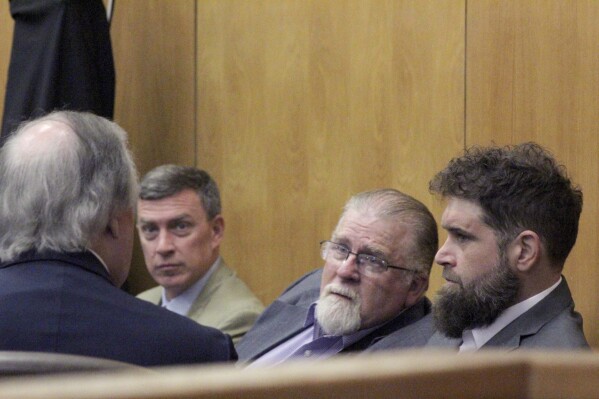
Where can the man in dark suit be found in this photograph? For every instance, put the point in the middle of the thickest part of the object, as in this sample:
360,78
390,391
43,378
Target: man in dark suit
376,271
67,192
511,220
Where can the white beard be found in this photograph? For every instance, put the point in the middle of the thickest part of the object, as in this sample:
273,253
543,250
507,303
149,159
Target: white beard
338,316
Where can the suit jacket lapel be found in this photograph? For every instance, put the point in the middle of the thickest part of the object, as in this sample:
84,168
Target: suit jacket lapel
440,340
286,321
534,319
214,281
407,317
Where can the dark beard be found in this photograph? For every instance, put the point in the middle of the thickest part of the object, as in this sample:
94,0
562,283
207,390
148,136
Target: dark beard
476,304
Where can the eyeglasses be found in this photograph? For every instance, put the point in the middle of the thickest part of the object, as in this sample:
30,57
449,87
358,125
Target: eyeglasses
334,252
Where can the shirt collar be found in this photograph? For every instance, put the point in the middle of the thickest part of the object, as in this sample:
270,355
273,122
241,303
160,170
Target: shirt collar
474,339
100,259
182,302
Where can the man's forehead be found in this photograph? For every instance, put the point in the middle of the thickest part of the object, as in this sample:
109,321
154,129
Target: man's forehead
184,198
461,213
353,219
173,207
369,230
163,218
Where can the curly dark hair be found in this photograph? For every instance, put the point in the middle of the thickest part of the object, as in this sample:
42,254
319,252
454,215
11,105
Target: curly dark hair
519,187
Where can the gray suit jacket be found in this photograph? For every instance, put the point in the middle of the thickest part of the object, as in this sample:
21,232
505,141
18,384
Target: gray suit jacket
413,335
550,324
225,303
285,318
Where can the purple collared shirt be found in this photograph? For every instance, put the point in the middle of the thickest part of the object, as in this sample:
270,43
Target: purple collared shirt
310,343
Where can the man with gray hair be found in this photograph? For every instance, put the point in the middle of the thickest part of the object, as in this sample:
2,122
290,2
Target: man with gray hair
67,190
181,228
376,272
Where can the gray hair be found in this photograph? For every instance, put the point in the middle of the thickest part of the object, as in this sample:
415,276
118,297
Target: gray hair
167,180
404,209
60,194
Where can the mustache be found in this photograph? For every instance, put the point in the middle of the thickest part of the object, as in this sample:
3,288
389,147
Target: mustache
339,290
449,275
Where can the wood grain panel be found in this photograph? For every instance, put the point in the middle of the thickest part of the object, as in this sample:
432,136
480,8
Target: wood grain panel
154,51
390,375
153,44
303,103
6,32
532,75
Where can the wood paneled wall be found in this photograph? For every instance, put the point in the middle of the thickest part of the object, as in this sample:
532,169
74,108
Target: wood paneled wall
303,103
295,105
6,30
154,49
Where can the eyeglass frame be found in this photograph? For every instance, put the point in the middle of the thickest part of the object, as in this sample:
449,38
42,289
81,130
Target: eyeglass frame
357,254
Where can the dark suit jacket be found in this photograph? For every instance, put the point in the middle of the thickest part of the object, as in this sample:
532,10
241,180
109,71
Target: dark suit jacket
285,318
61,58
65,303
415,334
550,324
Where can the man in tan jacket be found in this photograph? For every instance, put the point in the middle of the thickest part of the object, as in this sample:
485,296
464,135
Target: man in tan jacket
181,228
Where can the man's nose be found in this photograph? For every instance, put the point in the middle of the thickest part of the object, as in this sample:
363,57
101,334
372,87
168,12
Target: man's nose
444,257
348,269
165,243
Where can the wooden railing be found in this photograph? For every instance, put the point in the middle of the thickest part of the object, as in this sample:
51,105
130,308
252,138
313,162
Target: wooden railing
408,374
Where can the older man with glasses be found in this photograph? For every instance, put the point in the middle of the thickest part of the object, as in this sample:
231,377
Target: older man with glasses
373,282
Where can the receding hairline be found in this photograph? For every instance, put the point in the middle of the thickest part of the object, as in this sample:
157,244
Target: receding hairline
44,135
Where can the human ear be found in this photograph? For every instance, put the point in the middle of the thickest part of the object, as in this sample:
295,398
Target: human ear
217,225
120,223
525,250
113,228
417,288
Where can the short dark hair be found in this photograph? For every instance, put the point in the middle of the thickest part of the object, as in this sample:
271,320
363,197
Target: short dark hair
167,180
519,187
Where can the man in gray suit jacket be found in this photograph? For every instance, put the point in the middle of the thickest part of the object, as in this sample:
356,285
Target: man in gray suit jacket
511,219
376,271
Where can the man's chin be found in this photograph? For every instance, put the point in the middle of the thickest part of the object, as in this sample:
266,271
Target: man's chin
171,283
338,314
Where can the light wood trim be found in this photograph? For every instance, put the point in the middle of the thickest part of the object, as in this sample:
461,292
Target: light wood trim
414,374
6,34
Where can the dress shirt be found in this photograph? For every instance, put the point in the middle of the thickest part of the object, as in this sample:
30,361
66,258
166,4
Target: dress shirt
474,339
101,261
182,302
310,343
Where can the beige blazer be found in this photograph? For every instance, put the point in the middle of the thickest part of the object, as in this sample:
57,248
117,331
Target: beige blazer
225,303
